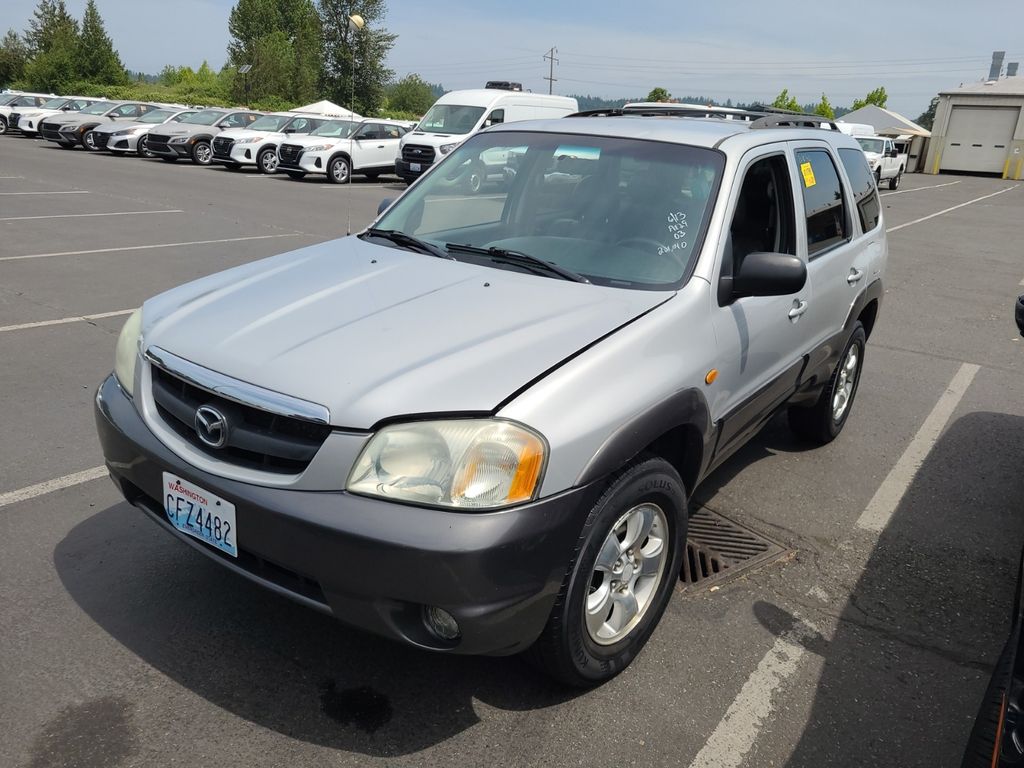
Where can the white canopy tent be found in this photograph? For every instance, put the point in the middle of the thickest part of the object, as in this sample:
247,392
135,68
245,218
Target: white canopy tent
328,109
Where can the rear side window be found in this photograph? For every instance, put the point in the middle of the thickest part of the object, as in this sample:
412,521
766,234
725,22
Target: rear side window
865,195
827,223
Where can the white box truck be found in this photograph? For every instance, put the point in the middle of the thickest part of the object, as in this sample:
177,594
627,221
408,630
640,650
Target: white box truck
459,114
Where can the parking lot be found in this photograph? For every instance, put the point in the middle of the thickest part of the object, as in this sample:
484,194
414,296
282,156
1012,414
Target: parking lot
869,642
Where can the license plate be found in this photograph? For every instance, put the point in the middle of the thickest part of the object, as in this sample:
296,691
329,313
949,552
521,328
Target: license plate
415,167
201,514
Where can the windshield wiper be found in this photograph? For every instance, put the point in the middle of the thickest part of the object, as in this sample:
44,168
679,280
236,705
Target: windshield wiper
520,259
408,241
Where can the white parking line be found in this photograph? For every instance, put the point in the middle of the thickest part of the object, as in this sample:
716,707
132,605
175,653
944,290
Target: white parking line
62,192
147,247
737,731
12,177
920,189
24,494
86,215
64,320
947,210
889,494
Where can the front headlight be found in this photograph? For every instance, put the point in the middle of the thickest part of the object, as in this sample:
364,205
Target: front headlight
459,463
179,139
69,129
249,140
127,351
128,131
318,148
446,148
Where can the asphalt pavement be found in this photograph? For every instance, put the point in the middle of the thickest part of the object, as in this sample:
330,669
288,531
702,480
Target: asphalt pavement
869,643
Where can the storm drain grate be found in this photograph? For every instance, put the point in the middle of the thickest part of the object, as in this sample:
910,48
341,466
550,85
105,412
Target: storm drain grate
718,549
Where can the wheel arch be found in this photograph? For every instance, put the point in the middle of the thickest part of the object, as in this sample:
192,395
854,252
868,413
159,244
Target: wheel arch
678,429
342,153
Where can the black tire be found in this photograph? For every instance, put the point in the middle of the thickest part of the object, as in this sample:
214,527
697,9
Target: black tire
818,422
894,182
339,170
266,160
878,177
3,125
296,175
566,649
476,177
141,148
89,142
202,153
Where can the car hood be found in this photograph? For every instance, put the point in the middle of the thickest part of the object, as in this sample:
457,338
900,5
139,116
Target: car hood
120,125
372,332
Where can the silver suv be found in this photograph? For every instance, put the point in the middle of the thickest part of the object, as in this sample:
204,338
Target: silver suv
475,426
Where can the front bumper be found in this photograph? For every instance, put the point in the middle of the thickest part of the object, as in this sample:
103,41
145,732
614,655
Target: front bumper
406,172
239,154
372,564
171,150
307,162
67,138
127,143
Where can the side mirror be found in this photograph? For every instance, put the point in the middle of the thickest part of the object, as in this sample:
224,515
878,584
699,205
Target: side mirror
892,153
288,130
769,274
384,205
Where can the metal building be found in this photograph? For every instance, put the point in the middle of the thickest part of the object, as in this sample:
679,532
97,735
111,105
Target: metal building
979,128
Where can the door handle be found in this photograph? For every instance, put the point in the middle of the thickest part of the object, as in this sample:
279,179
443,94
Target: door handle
380,146
854,276
799,307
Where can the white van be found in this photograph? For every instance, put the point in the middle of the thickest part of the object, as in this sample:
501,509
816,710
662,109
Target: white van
458,115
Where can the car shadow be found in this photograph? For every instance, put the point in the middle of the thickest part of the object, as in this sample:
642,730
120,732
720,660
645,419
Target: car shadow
905,672
276,664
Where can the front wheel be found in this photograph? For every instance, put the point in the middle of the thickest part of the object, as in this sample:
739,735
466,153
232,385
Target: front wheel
878,177
89,142
339,170
625,569
3,125
202,153
142,149
894,182
823,421
266,161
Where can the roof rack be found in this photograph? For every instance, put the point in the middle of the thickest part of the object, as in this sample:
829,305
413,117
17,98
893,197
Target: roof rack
757,116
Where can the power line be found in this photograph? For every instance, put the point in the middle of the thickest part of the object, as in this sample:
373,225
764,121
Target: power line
550,56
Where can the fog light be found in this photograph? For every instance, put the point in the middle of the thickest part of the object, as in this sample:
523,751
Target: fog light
441,623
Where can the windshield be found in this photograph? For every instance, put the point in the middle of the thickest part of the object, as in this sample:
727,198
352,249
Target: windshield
270,123
450,118
54,104
870,145
7,98
336,129
620,212
156,116
206,117
99,108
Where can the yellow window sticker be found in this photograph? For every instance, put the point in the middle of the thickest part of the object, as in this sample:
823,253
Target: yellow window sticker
808,172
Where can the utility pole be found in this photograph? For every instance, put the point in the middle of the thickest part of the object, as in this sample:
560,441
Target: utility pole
550,55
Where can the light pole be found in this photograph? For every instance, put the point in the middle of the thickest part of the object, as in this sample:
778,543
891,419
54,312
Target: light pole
355,24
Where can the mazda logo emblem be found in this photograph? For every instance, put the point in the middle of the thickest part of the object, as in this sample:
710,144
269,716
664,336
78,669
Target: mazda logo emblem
211,426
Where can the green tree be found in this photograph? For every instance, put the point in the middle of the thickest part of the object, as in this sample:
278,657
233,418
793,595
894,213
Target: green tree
48,25
410,94
878,97
55,69
824,108
13,58
354,59
658,94
785,101
97,60
927,118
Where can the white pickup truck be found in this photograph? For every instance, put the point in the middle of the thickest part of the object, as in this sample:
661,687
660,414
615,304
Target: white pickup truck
885,161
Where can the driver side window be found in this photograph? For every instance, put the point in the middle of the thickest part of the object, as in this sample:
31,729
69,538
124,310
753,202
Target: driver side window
763,220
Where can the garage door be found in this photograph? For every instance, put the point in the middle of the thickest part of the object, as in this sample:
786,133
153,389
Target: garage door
978,137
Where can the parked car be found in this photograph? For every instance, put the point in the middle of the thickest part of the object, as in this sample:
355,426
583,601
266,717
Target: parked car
74,129
257,145
341,148
495,406
192,138
26,119
457,115
885,161
124,137
17,100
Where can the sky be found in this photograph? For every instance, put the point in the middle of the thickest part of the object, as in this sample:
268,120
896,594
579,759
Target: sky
738,49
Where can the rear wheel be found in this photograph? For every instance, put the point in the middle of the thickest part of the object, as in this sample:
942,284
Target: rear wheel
625,568
823,421
3,125
296,174
202,153
339,170
894,182
266,161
